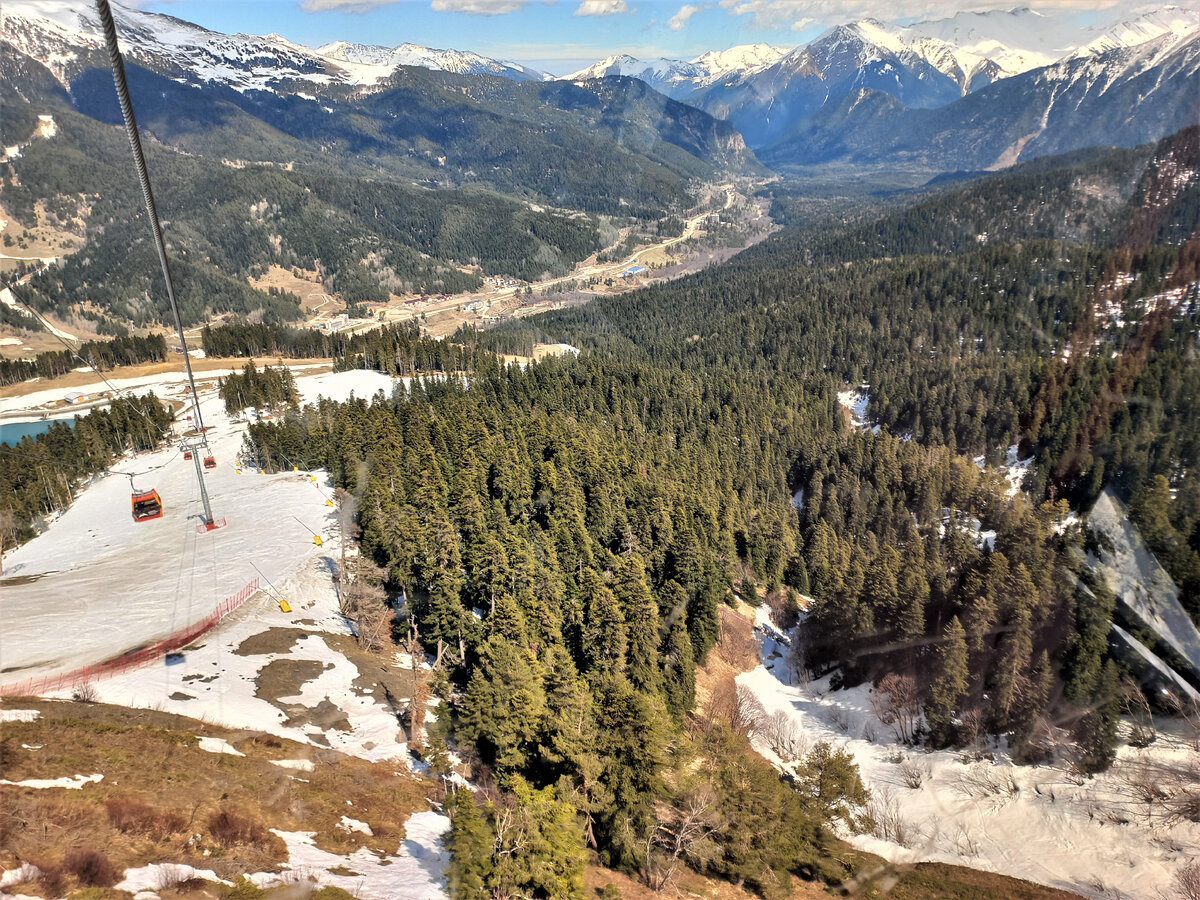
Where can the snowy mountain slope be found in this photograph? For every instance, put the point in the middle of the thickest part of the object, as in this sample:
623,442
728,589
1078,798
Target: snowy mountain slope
1178,22
66,37
766,103
665,75
970,70
1016,40
741,58
915,63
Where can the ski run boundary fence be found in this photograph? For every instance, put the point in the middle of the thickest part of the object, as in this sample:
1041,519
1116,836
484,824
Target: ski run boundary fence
134,658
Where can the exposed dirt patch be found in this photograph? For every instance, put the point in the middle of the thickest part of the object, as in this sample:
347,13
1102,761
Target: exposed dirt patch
325,715
284,678
274,640
736,651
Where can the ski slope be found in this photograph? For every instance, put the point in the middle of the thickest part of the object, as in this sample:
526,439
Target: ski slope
97,584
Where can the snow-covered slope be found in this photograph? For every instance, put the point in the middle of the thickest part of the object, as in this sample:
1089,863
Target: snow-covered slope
970,70
1124,97
1175,24
765,103
67,37
1093,836
1016,40
742,58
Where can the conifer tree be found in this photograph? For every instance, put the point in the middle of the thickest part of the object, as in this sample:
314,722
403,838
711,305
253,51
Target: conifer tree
604,632
504,704
949,686
641,615
470,845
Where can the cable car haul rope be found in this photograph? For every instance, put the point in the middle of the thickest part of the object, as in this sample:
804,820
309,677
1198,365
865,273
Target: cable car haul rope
139,161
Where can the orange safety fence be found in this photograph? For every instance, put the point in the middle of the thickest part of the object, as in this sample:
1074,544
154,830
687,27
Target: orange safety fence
134,658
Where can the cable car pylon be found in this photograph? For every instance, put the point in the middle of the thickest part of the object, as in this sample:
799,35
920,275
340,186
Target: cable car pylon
139,161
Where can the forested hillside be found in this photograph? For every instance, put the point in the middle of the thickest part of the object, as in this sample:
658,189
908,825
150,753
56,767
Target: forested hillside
366,237
564,535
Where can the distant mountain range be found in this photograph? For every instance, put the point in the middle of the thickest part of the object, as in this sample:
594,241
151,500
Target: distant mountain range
870,92
66,38
975,90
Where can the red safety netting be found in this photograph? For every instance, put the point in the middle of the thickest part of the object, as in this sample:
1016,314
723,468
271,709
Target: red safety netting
62,681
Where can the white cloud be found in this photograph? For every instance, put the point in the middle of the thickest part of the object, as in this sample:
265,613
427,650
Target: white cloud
602,7
479,7
680,19
353,6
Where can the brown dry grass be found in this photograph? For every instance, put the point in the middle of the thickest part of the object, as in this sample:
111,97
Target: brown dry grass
307,286
735,652
160,788
688,884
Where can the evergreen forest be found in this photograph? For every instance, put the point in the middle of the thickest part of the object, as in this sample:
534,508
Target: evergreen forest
562,538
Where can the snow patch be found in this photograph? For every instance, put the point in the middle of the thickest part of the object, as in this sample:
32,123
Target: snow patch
19,715
416,872
1040,823
856,401
300,765
348,824
157,876
74,782
219,745
20,875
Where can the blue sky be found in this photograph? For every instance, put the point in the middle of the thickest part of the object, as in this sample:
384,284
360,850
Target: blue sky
562,35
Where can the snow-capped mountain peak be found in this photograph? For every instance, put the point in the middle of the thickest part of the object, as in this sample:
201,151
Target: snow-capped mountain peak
741,58
679,77
367,63
653,70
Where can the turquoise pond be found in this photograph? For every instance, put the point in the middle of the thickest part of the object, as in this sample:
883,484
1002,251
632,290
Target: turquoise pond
12,432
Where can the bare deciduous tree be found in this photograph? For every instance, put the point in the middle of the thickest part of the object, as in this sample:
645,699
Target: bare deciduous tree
418,688
682,833
784,736
897,702
1186,883
735,705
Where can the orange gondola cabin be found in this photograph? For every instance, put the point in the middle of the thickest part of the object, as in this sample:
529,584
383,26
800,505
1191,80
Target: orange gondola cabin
210,462
147,505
